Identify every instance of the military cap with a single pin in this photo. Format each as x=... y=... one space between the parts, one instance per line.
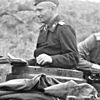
x=39 y=1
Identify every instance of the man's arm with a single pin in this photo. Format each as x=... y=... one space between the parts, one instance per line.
x=84 y=48
x=69 y=53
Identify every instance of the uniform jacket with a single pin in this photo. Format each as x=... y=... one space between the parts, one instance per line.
x=89 y=51
x=59 y=41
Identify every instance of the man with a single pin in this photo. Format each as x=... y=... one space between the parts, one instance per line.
x=89 y=53
x=56 y=45
x=89 y=61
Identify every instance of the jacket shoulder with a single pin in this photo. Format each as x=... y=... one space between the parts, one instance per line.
x=61 y=23
x=97 y=35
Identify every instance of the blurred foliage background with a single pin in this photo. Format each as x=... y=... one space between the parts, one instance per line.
x=19 y=31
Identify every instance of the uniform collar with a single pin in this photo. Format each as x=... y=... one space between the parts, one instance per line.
x=52 y=25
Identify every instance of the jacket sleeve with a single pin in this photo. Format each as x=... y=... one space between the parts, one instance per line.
x=84 y=48
x=69 y=53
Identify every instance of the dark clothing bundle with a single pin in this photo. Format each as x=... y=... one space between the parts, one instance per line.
x=58 y=40
x=42 y=87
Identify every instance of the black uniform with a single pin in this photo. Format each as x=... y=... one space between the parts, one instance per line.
x=58 y=40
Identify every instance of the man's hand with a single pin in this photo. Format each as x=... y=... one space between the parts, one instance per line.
x=43 y=59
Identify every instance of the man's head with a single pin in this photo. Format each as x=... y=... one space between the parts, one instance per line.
x=45 y=10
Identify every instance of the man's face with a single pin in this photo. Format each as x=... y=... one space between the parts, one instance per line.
x=43 y=13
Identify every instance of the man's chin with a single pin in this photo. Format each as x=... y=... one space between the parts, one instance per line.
x=40 y=21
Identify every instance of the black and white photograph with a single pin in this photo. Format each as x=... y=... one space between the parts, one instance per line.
x=49 y=49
